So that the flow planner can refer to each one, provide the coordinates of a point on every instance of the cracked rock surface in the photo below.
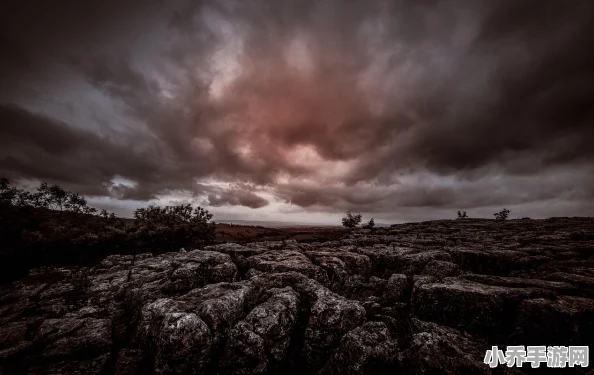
(420, 298)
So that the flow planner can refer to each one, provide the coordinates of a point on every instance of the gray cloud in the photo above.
(237, 198)
(327, 105)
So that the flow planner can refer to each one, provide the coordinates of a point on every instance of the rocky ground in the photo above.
(419, 298)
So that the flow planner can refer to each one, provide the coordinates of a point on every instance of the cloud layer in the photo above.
(293, 108)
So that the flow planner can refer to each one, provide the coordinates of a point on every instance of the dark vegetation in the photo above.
(351, 221)
(369, 225)
(52, 226)
(56, 227)
(502, 215)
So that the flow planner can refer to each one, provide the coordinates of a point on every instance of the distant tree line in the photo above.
(501, 215)
(352, 221)
(51, 197)
(55, 226)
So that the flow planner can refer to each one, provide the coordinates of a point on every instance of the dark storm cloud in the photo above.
(569, 184)
(535, 64)
(35, 146)
(35, 35)
(237, 198)
(451, 88)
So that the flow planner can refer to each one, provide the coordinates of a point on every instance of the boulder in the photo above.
(368, 349)
(397, 288)
(285, 261)
(261, 340)
(441, 269)
(481, 309)
(566, 319)
(435, 349)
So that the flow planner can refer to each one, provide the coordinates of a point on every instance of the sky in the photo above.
(301, 110)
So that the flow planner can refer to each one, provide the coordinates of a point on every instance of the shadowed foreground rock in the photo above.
(421, 298)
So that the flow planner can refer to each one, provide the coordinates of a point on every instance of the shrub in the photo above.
(172, 227)
(54, 226)
(370, 224)
(462, 215)
(51, 197)
(502, 215)
(351, 221)
(7, 192)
